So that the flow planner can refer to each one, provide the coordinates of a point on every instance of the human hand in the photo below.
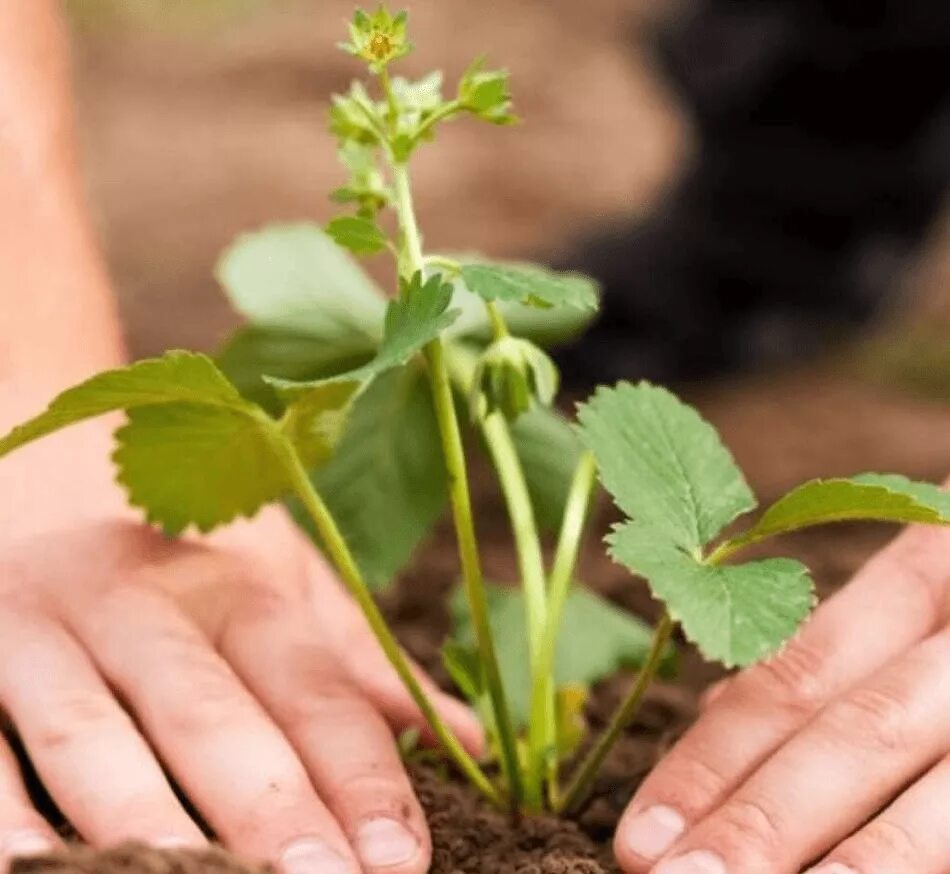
(247, 672)
(836, 749)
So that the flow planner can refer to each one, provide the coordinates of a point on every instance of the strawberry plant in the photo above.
(355, 410)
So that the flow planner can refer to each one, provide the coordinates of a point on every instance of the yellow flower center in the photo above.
(380, 46)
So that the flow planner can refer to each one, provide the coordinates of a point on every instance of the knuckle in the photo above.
(888, 841)
(688, 783)
(875, 718)
(75, 715)
(752, 824)
(918, 560)
(333, 702)
(793, 679)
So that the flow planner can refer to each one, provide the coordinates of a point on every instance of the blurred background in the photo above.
(759, 185)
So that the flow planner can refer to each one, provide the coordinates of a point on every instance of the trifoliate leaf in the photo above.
(415, 318)
(193, 451)
(530, 284)
(596, 640)
(361, 236)
(549, 451)
(867, 497)
(737, 615)
(295, 278)
(664, 465)
(385, 484)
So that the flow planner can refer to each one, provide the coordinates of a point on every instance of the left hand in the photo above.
(834, 753)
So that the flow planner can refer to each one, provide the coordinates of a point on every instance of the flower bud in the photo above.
(512, 376)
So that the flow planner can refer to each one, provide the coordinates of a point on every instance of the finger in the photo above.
(832, 776)
(90, 756)
(714, 693)
(371, 670)
(347, 746)
(23, 832)
(894, 594)
(912, 836)
(229, 757)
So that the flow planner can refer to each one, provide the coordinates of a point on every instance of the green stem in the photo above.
(460, 500)
(471, 564)
(449, 109)
(584, 775)
(390, 98)
(498, 324)
(562, 575)
(533, 577)
(349, 572)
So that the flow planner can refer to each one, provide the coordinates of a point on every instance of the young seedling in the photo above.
(348, 407)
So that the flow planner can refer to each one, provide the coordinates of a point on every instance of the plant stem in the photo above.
(562, 574)
(349, 572)
(471, 563)
(460, 500)
(584, 775)
(497, 320)
(533, 578)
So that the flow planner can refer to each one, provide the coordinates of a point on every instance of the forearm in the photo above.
(57, 318)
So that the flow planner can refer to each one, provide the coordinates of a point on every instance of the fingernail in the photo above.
(651, 833)
(383, 843)
(697, 862)
(832, 868)
(22, 844)
(308, 856)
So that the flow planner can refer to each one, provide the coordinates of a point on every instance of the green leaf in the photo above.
(923, 492)
(548, 327)
(193, 450)
(737, 615)
(361, 236)
(663, 464)
(867, 497)
(195, 464)
(252, 352)
(486, 93)
(531, 285)
(385, 484)
(415, 318)
(295, 278)
(596, 640)
(549, 451)
(176, 377)
(315, 423)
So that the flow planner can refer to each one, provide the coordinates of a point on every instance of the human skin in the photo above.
(833, 754)
(234, 662)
